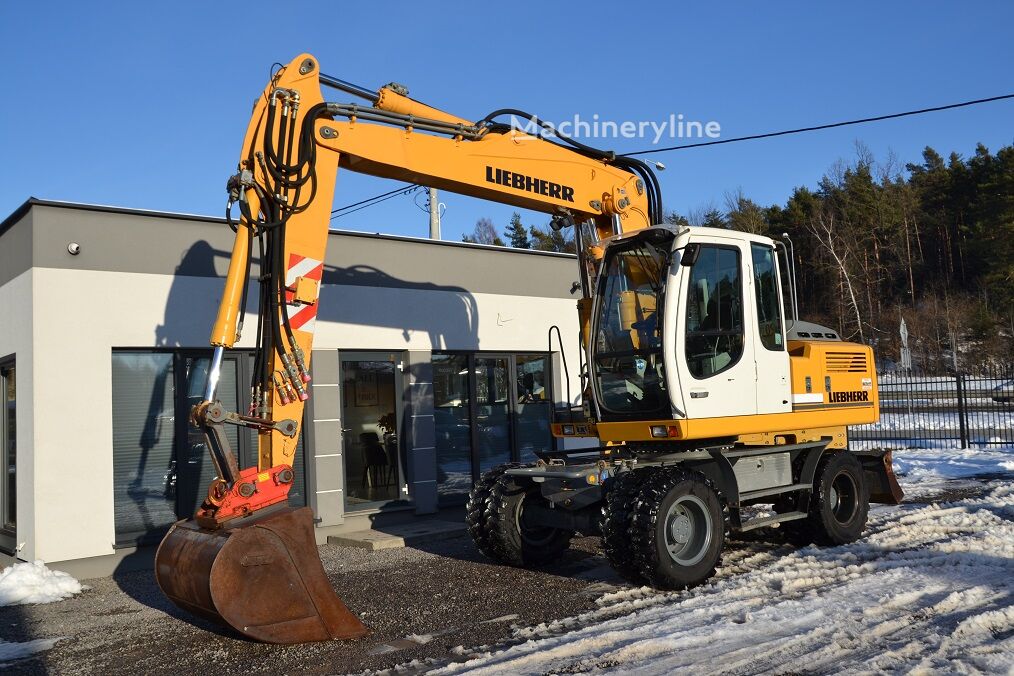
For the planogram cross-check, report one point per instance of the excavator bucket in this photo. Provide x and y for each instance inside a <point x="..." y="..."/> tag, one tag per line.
<point x="262" y="578"/>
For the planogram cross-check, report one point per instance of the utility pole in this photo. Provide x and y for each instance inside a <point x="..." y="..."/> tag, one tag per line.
<point x="434" y="214"/>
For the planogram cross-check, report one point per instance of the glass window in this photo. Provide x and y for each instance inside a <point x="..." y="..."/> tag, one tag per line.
<point x="452" y="425"/>
<point x="765" y="281"/>
<point x="534" y="406"/>
<point x="8" y="451"/>
<point x="714" y="312"/>
<point x="161" y="464"/>
<point x="144" y="476"/>
<point x="628" y="340"/>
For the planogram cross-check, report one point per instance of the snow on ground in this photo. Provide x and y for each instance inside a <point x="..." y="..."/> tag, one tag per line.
<point x="35" y="583"/>
<point x="10" y="652"/>
<point x="927" y="590"/>
<point x="924" y="471"/>
<point x="24" y="583"/>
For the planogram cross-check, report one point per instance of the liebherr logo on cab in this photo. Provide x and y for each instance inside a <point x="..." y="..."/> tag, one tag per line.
<point x="845" y="397"/>
<point x="532" y="184"/>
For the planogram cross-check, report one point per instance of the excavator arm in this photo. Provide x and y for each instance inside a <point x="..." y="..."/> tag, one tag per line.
<point x="246" y="560"/>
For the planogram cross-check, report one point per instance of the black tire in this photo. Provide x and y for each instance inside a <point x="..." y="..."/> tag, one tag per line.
<point x="617" y="514"/>
<point x="839" y="505"/>
<point x="477" y="506"/>
<point x="511" y="540"/>
<point x="674" y="504"/>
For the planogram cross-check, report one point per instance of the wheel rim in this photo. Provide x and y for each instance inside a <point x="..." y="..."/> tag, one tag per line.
<point x="843" y="497"/>
<point x="688" y="530"/>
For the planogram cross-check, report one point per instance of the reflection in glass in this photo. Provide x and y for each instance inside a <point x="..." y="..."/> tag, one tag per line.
<point x="143" y="421"/>
<point x="492" y="384"/>
<point x="452" y="426"/>
<point x="765" y="281"/>
<point x="628" y="331"/>
<point x="533" y="406"/>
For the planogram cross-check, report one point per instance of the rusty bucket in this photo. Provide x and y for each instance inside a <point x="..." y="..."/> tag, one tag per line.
<point x="263" y="578"/>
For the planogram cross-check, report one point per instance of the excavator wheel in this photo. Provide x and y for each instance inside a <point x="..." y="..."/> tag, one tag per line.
<point x="617" y="514"/>
<point x="512" y="539"/>
<point x="478" y="503"/>
<point x="678" y="529"/>
<point x="839" y="506"/>
<point x="262" y="577"/>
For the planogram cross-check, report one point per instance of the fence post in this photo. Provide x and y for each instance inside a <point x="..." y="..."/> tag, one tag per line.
<point x="962" y="409"/>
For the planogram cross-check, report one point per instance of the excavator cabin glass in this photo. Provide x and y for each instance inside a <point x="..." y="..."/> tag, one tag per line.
<point x="627" y="350"/>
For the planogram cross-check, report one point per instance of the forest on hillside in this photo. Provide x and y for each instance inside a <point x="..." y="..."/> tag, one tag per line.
<point x="876" y="242"/>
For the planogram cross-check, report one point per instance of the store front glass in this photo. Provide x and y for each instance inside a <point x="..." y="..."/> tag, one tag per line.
<point x="488" y="409"/>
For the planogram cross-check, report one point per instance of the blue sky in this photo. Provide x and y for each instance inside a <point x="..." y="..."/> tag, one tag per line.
<point x="144" y="105"/>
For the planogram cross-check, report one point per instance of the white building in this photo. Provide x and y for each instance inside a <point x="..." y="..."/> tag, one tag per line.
<point x="431" y="364"/>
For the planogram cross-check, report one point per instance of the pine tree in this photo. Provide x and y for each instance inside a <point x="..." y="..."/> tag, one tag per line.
<point x="517" y="234"/>
<point x="561" y="241"/>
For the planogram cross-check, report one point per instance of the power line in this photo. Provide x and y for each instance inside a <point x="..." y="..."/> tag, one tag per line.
<point x="864" y="120"/>
<point x="377" y="199"/>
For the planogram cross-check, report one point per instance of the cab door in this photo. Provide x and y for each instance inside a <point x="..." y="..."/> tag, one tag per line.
<point x="774" y="392"/>
<point x="714" y="352"/>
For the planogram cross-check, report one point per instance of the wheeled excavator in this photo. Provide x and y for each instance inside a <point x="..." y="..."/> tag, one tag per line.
<point x="708" y="406"/>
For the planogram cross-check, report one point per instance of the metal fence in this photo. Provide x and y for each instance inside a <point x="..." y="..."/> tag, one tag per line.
<point x="970" y="409"/>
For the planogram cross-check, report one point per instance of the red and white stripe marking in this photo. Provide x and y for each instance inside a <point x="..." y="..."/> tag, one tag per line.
<point x="302" y="316"/>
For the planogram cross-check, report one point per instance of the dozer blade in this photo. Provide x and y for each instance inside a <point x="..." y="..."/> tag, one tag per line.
<point x="263" y="578"/>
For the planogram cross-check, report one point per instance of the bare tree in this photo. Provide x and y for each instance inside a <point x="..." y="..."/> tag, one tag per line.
<point x="822" y="227"/>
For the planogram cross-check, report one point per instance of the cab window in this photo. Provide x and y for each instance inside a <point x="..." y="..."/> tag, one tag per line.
<point x="765" y="282"/>
<point x="714" y="320"/>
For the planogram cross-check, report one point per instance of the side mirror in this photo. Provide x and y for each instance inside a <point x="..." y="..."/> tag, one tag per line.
<point x="690" y="254"/>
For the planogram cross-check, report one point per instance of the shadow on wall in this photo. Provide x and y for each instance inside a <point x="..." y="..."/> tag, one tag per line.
<point x="188" y="314"/>
<point x="449" y="317"/>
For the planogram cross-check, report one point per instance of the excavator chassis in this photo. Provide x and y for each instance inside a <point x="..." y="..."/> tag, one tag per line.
<point x="259" y="575"/>
<point x="663" y="512"/>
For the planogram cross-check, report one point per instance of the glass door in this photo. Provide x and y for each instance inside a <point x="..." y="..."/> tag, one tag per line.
<point x="452" y="422"/>
<point x="371" y="417"/>
<point x="488" y="409"/>
<point x="492" y="411"/>
<point x="534" y="406"/>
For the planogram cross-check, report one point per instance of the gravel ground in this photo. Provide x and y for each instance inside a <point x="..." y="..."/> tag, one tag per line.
<point x="418" y="603"/>
<point x="425" y="606"/>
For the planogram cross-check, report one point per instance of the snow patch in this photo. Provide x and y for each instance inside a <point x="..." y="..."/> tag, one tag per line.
<point x="25" y="583"/>
<point x="929" y="589"/>
<point x="10" y="651"/>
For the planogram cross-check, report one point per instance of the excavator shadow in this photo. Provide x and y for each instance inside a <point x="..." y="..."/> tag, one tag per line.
<point x="135" y="577"/>
<point x="583" y="560"/>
